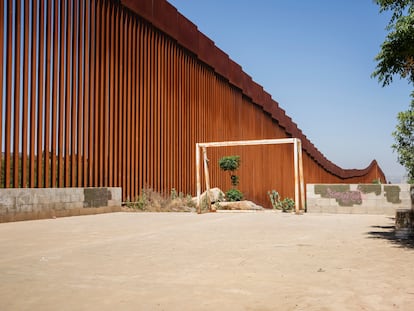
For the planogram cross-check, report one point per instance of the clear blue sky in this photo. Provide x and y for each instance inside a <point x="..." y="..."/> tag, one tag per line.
<point x="315" y="58"/>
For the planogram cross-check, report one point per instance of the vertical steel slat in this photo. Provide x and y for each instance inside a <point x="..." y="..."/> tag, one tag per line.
<point x="147" y="108"/>
<point x="159" y="136"/>
<point x="25" y="94"/>
<point x="163" y="135"/>
<point x="16" y="133"/>
<point x="41" y="85"/>
<point x="33" y="74"/>
<point x="107" y="113"/>
<point x="47" y="95"/>
<point x="129" y="104"/>
<point x="111" y="95"/>
<point x="174" y="115"/>
<point x="166" y="111"/>
<point x="9" y="74"/>
<point x="92" y="110"/>
<point x="151" y="107"/>
<point x="68" y="99"/>
<point x="124" y="103"/>
<point x="156" y="104"/>
<point x="1" y="89"/>
<point x="55" y="93"/>
<point x="102" y="100"/>
<point x="116" y="98"/>
<point x="133" y="105"/>
<point x="75" y="80"/>
<point x="97" y="101"/>
<point x="141" y="104"/>
<point x="137" y="115"/>
<point x="86" y="102"/>
<point x="120" y="99"/>
<point x="81" y="85"/>
<point x="62" y="94"/>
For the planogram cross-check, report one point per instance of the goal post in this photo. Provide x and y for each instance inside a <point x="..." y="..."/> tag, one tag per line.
<point x="297" y="163"/>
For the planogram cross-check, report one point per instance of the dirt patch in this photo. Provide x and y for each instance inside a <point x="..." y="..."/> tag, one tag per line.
<point x="215" y="261"/>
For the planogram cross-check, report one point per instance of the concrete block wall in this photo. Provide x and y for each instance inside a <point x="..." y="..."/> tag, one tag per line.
<point x="359" y="198"/>
<point x="36" y="203"/>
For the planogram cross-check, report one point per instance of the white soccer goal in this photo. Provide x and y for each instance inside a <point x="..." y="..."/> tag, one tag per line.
<point x="297" y="163"/>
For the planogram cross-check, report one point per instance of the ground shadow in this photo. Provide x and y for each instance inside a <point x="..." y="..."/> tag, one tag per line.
<point x="388" y="233"/>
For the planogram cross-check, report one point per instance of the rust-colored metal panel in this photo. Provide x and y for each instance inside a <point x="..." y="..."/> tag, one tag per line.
<point x="142" y="8"/>
<point x="91" y="106"/>
<point x="133" y="119"/>
<point x="25" y="98"/>
<point x="75" y="89"/>
<point x="16" y="132"/>
<point x="9" y="75"/>
<point x="80" y="83"/>
<point x="122" y="91"/>
<point x="187" y="33"/>
<point x="41" y="98"/>
<point x="33" y="75"/>
<point x="68" y="93"/>
<point x="205" y="49"/>
<point x="46" y="150"/>
<point x="103" y="98"/>
<point x="62" y="94"/>
<point x="1" y="89"/>
<point x="128" y="94"/>
<point x="55" y="94"/>
<point x="165" y="17"/>
<point x="97" y="99"/>
<point x="116" y="101"/>
<point x="86" y="95"/>
<point x="127" y="104"/>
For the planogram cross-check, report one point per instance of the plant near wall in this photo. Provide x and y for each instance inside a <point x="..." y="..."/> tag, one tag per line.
<point x="285" y="205"/>
<point x="231" y="164"/>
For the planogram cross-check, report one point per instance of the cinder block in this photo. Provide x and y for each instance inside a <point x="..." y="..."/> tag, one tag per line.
<point x="313" y="209"/>
<point x="310" y="188"/>
<point x="24" y="208"/>
<point x="116" y="193"/>
<point x="311" y="201"/>
<point x="344" y="209"/>
<point x="6" y="200"/>
<point x="358" y="209"/>
<point x="369" y="203"/>
<point x="329" y="209"/>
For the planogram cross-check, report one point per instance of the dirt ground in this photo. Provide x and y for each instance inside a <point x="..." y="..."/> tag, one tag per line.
<point x="216" y="261"/>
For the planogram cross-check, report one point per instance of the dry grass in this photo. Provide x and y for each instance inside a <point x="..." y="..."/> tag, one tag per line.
<point x="152" y="201"/>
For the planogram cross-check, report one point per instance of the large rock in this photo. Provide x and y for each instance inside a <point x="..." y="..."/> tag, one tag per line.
<point x="215" y="195"/>
<point x="239" y="205"/>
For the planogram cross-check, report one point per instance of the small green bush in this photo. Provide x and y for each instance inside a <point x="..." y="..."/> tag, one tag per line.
<point x="285" y="205"/>
<point x="230" y="163"/>
<point x="234" y="195"/>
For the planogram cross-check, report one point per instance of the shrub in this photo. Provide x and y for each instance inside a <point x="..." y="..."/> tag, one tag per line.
<point x="285" y="205"/>
<point x="234" y="195"/>
<point x="231" y="164"/>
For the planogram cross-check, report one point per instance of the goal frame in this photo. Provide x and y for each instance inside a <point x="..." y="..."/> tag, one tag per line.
<point x="297" y="164"/>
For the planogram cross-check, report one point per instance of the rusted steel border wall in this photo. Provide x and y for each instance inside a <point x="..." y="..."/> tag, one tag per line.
<point x="117" y="93"/>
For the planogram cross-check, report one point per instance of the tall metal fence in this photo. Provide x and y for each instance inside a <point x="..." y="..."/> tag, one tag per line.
<point x="92" y="94"/>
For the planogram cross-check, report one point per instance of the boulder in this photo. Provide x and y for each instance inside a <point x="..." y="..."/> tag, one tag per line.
<point x="239" y="205"/>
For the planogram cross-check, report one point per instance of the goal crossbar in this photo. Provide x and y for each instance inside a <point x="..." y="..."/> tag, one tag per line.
<point x="297" y="163"/>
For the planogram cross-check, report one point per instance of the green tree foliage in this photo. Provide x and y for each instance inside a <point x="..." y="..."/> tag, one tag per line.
<point x="231" y="164"/>
<point x="396" y="56"/>
<point x="404" y="140"/>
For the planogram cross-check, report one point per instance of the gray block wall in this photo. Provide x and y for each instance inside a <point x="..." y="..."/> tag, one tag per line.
<point x="358" y="198"/>
<point x="36" y="203"/>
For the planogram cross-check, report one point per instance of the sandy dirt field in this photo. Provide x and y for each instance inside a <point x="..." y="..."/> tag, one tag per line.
<point x="217" y="261"/>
